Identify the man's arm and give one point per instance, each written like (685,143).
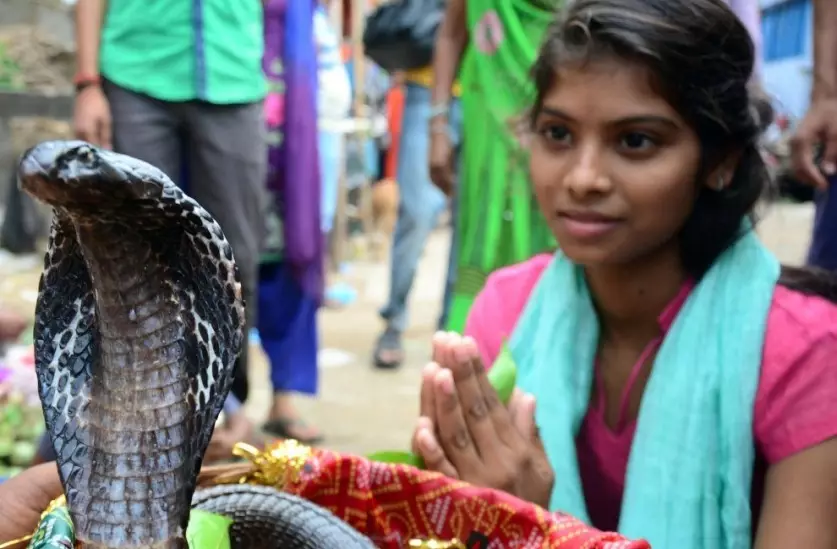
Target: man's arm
(89,17)
(451,40)
(825,49)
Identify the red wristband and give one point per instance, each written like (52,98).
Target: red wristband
(81,81)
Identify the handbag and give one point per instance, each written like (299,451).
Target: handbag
(400,35)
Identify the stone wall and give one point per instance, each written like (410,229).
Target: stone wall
(54,18)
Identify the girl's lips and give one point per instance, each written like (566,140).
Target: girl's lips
(587,226)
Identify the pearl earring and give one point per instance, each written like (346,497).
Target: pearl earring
(720,185)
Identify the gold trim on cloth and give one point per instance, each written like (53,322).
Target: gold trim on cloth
(277,465)
(436,544)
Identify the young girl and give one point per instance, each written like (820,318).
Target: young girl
(685,382)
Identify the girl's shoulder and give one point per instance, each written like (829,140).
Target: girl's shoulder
(495,311)
(794,407)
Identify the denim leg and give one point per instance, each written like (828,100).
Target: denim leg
(450,276)
(419,205)
(823,251)
(330,144)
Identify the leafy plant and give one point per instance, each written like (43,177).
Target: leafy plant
(10,73)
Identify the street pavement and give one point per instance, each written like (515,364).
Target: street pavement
(361,409)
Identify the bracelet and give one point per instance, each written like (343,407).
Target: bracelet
(439,109)
(82,81)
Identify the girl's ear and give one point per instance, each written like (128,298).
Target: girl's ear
(721,177)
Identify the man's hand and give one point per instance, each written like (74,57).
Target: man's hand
(91,117)
(24,497)
(441,158)
(818,127)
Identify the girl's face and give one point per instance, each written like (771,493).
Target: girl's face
(613,164)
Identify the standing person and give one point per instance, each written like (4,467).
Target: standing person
(497,220)
(819,128)
(291,274)
(334,101)
(152,74)
(419,206)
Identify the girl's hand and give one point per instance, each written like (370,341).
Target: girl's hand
(465,432)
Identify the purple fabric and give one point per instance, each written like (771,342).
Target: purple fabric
(750,14)
(290,64)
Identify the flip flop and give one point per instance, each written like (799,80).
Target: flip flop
(390,343)
(289,428)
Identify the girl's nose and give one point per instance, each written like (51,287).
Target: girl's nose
(587,175)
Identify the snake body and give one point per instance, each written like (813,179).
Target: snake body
(139,320)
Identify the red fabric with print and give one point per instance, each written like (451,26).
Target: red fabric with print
(393,504)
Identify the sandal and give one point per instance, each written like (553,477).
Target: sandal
(389,354)
(290,428)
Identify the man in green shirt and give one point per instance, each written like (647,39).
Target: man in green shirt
(180,85)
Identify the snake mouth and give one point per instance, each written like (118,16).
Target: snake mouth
(75,175)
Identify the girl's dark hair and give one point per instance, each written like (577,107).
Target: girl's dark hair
(701,57)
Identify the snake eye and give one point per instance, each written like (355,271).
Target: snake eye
(86,154)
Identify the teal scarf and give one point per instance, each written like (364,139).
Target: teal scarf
(691,463)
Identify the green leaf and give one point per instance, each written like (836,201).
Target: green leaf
(503,375)
(396,456)
(208,530)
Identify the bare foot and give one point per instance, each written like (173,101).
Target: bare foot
(284,422)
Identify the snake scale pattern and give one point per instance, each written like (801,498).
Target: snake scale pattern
(139,320)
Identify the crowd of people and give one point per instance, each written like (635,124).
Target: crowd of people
(674,380)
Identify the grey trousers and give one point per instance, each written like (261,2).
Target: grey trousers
(223,150)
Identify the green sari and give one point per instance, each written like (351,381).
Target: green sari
(499,222)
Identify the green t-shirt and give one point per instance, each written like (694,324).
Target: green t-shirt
(180,50)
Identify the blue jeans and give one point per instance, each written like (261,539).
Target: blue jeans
(329,144)
(823,251)
(419,206)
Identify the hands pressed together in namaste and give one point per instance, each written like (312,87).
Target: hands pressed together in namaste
(465,432)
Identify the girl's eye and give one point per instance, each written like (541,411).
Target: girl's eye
(636,142)
(559,134)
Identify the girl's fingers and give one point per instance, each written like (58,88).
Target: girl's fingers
(452,428)
(426,445)
(443,345)
(471,397)
(439,339)
(501,416)
(441,348)
(427,403)
(522,409)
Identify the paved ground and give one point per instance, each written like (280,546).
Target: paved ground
(359,408)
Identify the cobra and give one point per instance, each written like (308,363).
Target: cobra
(139,320)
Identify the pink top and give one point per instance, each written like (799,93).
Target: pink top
(794,406)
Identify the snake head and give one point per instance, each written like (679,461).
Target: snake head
(75,175)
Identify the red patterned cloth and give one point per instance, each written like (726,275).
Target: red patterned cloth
(393,504)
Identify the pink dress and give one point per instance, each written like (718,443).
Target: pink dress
(795,400)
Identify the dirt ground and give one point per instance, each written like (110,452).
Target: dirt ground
(361,409)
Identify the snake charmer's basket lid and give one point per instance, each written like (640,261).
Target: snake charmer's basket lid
(400,506)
